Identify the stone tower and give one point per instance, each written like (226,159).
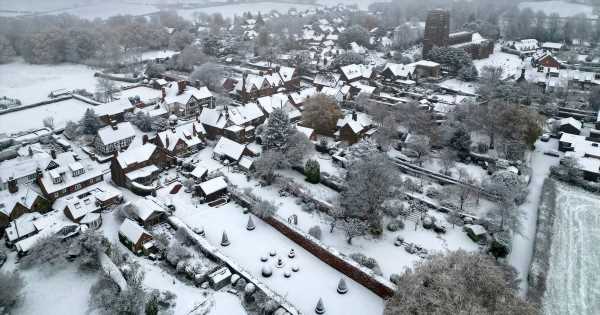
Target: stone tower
(437,30)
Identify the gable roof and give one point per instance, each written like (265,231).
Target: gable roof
(108,134)
(229,148)
(131,230)
(327,79)
(184,133)
(240,115)
(113,108)
(355,71)
(136,154)
(172,94)
(302,95)
(213,118)
(213,185)
(146,207)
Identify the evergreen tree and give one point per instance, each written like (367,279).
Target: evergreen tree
(90,122)
(312,171)
(461,142)
(277,131)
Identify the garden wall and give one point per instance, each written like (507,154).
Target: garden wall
(540,263)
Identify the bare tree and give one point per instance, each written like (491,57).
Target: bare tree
(106,88)
(421,146)
(209,75)
(321,113)
(456,274)
(448,160)
(49,122)
(354,227)
(460,195)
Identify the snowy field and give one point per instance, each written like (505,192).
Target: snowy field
(31,118)
(562,8)
(107,9)
(511,64)
(229,11)
(145,93)
(33,83)
(573,284)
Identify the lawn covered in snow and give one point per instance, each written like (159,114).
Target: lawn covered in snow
(562,8)
(30,118)
(573,283)
(33,83)
(511,64)
(229,11)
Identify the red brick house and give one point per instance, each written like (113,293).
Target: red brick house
(68,179)
(14,205)
(134,237)
(183,139)
(139,164)
(547,60)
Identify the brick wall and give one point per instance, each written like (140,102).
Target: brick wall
(350,268)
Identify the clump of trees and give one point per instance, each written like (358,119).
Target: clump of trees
(354,34)
(321,113)
(459,282)
(453,58)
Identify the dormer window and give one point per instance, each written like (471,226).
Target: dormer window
(56,177)
(76,169)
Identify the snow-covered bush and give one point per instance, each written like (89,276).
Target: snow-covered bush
(393,207)
(395,225)
(315,232)
(264,209)
(176,253)
(312,171)
(309,206)
(433,193)
(240,285)
(368,262)
(395,278)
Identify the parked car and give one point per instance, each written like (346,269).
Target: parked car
(545,137)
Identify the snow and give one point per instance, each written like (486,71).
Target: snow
(562,8)
(572,283)
(131,230)
(228,11)
(153,54)
(109,135)
(315,278)
(214,185)
(511,64)
(30,118)
(146,94)
(33,83)
(522,249)
(459,86)
(229,148)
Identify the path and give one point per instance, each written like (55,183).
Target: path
(522,249)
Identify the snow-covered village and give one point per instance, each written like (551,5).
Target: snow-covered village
(286,157)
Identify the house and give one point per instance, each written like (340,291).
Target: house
(22,170)
(474,44)
(551,46)
(395,71)
(14,205)
(353,127)
(339,93)
(289,76)
(115,137)
(68,179)
(139,164)
(355,72)
(253,86)
(570,125)
(21,228)
(585,151)
(427,69)
(199,173)
(186,101)
(230,150)
(213,121)
(269,103)
(134,237)
(546,60)
(298,98)
(183,139)
(83,208)
(148,211)
(213,189)
(114,111)
(308,132)
(326,79)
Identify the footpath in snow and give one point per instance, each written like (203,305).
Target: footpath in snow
(522,249)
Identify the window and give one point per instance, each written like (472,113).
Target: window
(77,186)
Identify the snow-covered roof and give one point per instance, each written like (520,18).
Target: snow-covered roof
(551,45)
(199,171)
(302,95)
(213,118)
(361,123)
(229,148)
(143,172)
(131,230)
(22,226)
(68,177)
(286,73)
(327,79)
(173,96)
(78,207)
(187,133)
(136,154)
(269,103)
(426,63)
(246,162)
(113,108)
(571,121)
(25,196)
(308,132)
(400,70)
(355,71)
(213,185)
(112,134)
(146,207)
(241,115)
(363,87)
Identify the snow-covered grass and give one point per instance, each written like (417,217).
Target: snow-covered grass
(228,11)
(153,54)
(511,64)
(145,93)
(33,83)
(562,8)
(573,280)
(63,111)
(303,289)
(459,85)
(106,9)
(522,250)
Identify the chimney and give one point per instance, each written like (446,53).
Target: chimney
(114,126)
(166,141)
(164,92)
(145,139)
(354,116)
(38,173)
(181,84)
(173,129)
(53,154)
(12,185)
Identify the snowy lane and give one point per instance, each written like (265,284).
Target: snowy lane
(573,284)
(522,249)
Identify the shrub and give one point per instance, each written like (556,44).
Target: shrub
(176,253)
(433,193)
(312,171)
(309,206)
(315,232)
(395,278)
(482,147)
(368,262)
(395,225)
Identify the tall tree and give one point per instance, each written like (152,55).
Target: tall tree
(321,113)
(90,122)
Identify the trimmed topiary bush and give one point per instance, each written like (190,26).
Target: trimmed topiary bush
(312,171)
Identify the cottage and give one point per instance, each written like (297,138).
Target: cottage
(585,151)
(269,103)
(355,72)
(230,150)
(395,71)
(14,205)
(570,125)
(199,173)
(134,237)
(21,228)
(114,111)
(213,189)
(353,127)
(79,209)
(139,164)
(183,139)
(253,86)
(326,79)
(214,122)
(148,211)
(114,138)
(546,60)
(186,101)
(550,46)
